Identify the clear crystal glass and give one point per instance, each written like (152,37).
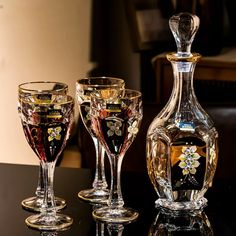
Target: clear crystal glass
(182,148)
(116,118)
(28,89)
(84,87)
(47,120)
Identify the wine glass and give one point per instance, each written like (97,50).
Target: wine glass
(84,87)
(28,89)
(47,120)
(116,118)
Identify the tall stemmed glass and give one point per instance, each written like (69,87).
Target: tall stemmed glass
(47,120)
(28,89)
(84,87)
(116,118)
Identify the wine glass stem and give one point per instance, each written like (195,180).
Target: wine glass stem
(115,199)
(100,179)
(40,188)
(48,176)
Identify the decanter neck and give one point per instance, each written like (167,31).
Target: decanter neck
(183,99)
(183,107)
(183,71)
(183,91)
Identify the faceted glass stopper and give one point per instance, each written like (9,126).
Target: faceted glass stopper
(184,27)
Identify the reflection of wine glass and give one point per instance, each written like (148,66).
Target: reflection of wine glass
(170,222)
(99,193)
(48,233)
(116,118)
(115,229)
(47,120)
(29,89)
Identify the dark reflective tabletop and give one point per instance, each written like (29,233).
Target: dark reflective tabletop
(18,182)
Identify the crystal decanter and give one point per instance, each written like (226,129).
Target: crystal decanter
(181,147)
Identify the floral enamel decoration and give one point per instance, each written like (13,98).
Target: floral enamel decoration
(54,133)
(87,109)
(133,129)
(114,128)
(189,160)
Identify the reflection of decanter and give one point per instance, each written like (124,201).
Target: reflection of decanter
(182,147)
(168,223)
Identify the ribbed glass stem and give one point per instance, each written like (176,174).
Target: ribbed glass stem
(100,179)
(49,202)
(115,198)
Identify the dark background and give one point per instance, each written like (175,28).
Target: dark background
(114,40)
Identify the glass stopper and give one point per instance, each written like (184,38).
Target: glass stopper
(184,27)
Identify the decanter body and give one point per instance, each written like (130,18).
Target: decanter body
(181,145)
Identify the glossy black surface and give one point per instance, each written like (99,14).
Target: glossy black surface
(18,182)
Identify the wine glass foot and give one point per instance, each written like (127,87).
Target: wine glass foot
(34,203)
(115,215)
(49,222)
(94,195)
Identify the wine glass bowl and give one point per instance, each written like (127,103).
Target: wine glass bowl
(46,124)
(84,87)
(116,117)
(40,89)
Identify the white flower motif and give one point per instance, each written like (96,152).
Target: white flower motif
(114,128)
(133,129)
(189,160)
(54,133)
